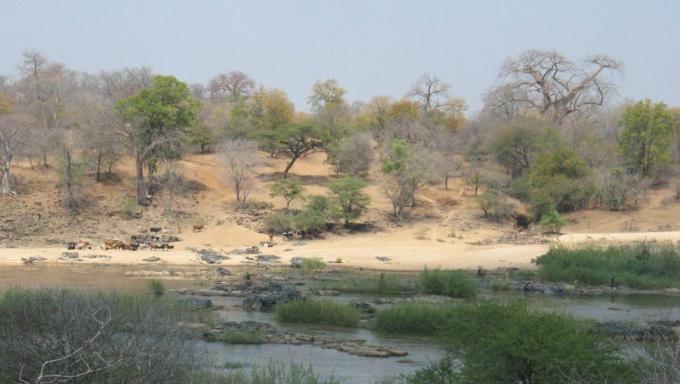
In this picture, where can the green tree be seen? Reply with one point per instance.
(296, 140)
(510, 343)
(155, 118)
(349, 197)
(288, 189)
(648, 130)
(553, 220)
(267, 110)
(201, 136)
(406, 169)
(559, 179)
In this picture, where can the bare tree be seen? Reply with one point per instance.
(240, 156)
(13, 131)
(235, 86)
(553, 85)
(354, 154)
(431, 92)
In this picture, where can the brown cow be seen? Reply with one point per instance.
(198, 227)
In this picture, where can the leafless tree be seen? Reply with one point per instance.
(354, 154)
(553, 85)
(240, 156)
(431, 92)
(13, 131)
(234, 86)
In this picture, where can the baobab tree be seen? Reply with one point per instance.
(553, 85)
(13, 129)
(235, 86)
(430, 91)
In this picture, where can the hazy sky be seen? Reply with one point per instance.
(370, 47)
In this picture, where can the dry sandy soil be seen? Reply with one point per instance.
(446, 230)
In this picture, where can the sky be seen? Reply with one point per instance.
(371, 48)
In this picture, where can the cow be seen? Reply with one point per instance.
(198, 227)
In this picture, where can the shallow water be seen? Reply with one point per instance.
(327, 362)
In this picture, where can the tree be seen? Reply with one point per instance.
(558, 180)
(240, 156)
(200, 135)
(235, 86)
(430, 91)
(552, 85)
(553, 220)
(155, 118)
(13, 130)
(288, 189)
(517, 144)
(296, 140)
(267, 111)
(405, 169)
(354, 154)
(349, 197)
(328, 103)
(648, 130)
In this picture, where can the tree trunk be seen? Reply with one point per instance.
(98, 175)
(5, 187)
(289, 166)
(141, 190)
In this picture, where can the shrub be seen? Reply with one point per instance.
(122, 338)
(553, 220)
(455, 283)
(275, 373)
(643, 265)
(310, 264)
(380, 284)
(413, 319)
(279, 222)
(288, 189)
(509, 343)
(156, 287)
(317, 312)
(349, 197)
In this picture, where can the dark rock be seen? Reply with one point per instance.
(296, 262)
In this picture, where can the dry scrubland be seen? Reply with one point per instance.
(445, 229)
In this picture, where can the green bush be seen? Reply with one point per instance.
(279, 222)
(310, 264)
(643, 265)
(274, 373)
(317, 312)
(509, 343)
(413, 319)
(156, 287)
(379, 284)
(454, 283)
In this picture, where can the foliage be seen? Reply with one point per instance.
(349, 197)
(201, 136)
(279, 222)
(354, 154)
(121, 338)
(275, 373)
(643, 265)
(509, 343)
(295, 140)
(310, 264)
(619, 190)
(405, 169)
(380, 284)
(288, 189)
(452, 283)
(317, 312)
(646, 137)
(553, 220)
(156, 287)
(494, 204)
(413, 319)
(559, 179)
(323, 206)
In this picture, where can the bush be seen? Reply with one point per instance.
(279, 222)
(509, 343)
(553, 220)
(123, 338)
(310, 264)
(413, 319)
(455, 283)
(275, 373)
(156, 287)
(643, 265)
(380, 284)
(317, 312)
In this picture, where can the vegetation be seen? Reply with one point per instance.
(413, 319)
(551, 219)
(288, 189)
(349, 197)
(275, 373)
(377, 284)
(156, 287)
(310, 264)
(231, 336)
(643, 265)
(113, 338)
(317, 312)
(455, 283)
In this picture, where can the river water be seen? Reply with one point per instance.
(328, 362)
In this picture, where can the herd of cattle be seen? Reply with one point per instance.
(153, 240)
